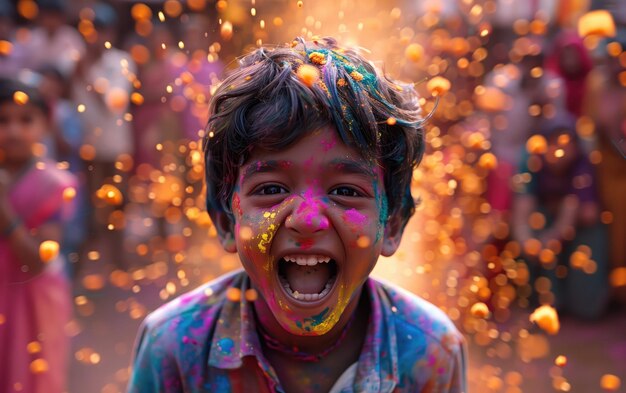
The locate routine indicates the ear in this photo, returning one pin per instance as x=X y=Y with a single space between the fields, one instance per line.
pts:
x=393 y=234
x=225 y=229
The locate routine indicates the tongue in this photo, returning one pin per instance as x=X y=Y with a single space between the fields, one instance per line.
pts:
x=307 y=279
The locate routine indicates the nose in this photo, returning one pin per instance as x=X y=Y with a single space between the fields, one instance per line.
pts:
x=308 y=214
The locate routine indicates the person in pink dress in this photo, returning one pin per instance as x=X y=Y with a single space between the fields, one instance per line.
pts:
x=35 y=297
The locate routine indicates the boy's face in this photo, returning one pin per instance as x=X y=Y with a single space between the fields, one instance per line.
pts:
x=310 y=224
x=21 y=126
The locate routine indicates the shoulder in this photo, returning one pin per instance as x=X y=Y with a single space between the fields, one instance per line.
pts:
x=411 y=313
x=199 y=305
x=429 y=346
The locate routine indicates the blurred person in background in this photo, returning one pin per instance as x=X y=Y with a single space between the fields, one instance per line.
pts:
x=515 y=96
x=608 y=110
x=62 y=145
x=198 y=66
x=35 y=296
x=570 y=60
x=52 y=40
x=13 y=55
x=153 y=120
x=103 y=84
x=558 y=206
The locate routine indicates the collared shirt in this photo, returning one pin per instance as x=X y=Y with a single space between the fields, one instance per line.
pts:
x=204 y=342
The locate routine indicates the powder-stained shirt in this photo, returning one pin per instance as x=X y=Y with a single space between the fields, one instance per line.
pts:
x=204 y=342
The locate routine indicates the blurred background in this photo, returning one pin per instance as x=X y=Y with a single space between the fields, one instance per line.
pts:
x=522 y=191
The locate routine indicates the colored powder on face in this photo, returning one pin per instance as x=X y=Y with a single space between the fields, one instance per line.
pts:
x=266 y=237
x=305 y=244
x=328 y=144
x=237 y=205
x=355 y=218
x=381 y=202
x=312 y=208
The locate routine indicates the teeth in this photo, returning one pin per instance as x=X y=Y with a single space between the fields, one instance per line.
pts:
x=307 y=296
x=307 y=260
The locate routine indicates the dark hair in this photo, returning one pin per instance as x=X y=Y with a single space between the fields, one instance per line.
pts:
x=8 y=88
x=263 y=103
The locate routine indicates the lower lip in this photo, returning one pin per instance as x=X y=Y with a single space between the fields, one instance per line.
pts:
x=309 y=303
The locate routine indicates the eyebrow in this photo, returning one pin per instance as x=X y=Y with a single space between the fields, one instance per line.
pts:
x=353 y=167
x=342 y=165
x=262 y=167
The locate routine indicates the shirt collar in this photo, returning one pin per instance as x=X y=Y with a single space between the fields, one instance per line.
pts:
x=235 y=337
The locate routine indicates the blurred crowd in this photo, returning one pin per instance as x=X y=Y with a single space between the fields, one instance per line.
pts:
x=537 y=109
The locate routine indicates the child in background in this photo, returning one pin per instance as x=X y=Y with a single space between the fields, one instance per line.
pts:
x=308 y=180
x=35 y=297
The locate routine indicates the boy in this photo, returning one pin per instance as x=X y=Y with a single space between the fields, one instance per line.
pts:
x=309 y=158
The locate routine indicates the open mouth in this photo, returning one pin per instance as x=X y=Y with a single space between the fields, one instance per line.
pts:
x=307 y=277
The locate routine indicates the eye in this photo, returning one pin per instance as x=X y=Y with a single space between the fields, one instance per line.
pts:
x=345 y=191
x=270 y=189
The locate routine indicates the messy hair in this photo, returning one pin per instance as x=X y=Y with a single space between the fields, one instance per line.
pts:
x=267 y=103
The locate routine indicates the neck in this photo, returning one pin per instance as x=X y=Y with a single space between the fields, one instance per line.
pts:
x=314 y=345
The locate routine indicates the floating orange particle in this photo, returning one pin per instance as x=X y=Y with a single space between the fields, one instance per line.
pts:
x=245 y=233
x=39 y=366
x=438 y=86
x=93 y=282
x=308 y=74
x=233 y=294
x=391 y=121
x=141 y=11
x=172 y=8
x=251 y=295
x=226 y=31
x=48 y=250
x=598 y=23
x=33 y=347
x=414 y=52
x=480 y=310
x=546 y=318
x=363 y=241
x=546 y=256
x=560 y=361
x=491 y=99
x=69 y=193
x=532 y=246
x=28 y=9
x=221 y=5
x=610 y=382
x=116 y=99
x=618 y=277
x=110 y=194
x=6 y=47
x=488 y=161
x=20 y=98
x=196 y=5
x=537 y=144
x=136 y=98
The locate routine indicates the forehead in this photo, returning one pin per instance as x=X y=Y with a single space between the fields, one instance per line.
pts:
x=319 y=148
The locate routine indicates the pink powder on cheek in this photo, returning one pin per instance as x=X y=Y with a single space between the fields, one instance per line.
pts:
x=355 y=218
